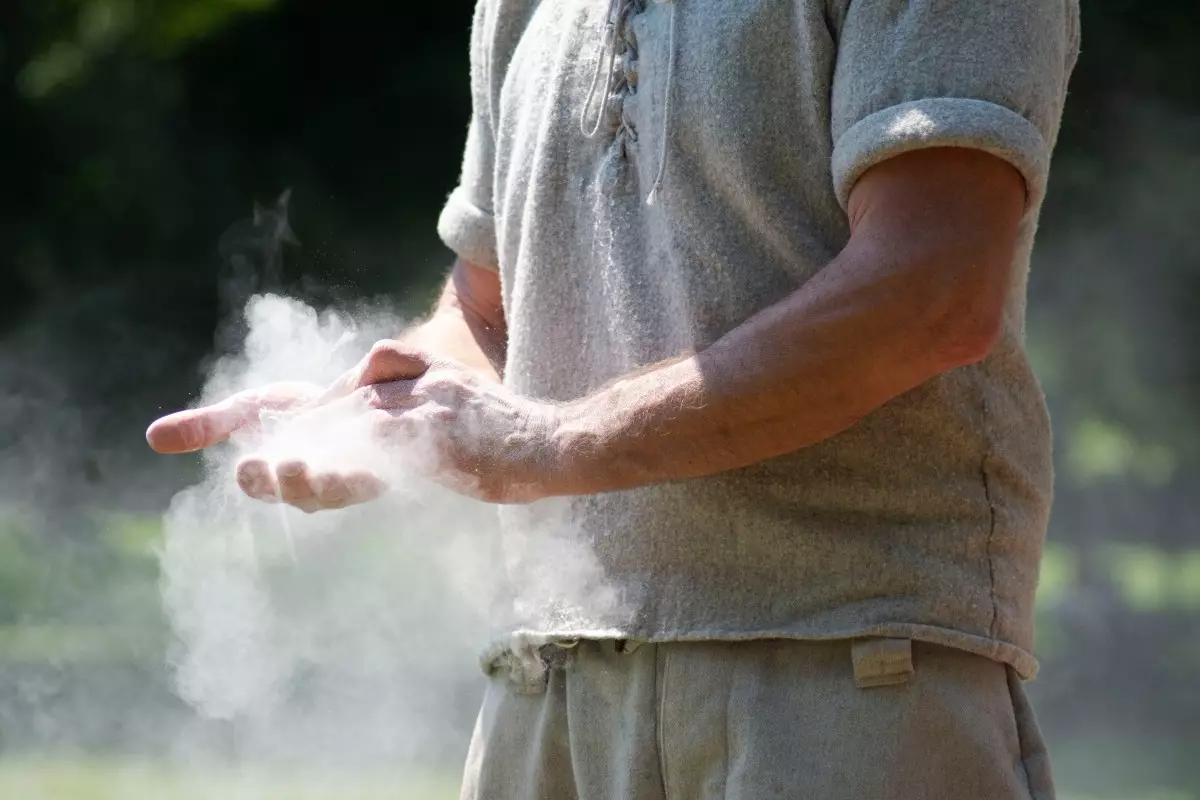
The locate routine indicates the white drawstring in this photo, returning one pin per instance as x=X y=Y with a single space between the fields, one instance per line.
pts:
x=666 y=125
x=605 y=61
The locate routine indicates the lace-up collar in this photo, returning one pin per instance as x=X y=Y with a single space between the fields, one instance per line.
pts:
x=616 y=62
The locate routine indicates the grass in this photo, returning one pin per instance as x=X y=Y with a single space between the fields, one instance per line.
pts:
x=122 y=780
x=92 y=779
x=123 y=623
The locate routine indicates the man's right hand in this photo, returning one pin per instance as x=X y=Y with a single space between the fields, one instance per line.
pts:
x=198 y=428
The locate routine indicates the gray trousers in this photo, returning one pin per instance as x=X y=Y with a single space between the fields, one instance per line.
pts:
x=867 y=719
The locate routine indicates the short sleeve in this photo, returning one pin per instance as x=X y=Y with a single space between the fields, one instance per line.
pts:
x=985 y=74
x=467 y=223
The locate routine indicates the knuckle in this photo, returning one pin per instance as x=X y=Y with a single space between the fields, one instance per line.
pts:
x=291 y=470
x=250 y=468
x=382 y=423
x=443 y=386
x=331 y=490
x=367 y=395
x=247 y=483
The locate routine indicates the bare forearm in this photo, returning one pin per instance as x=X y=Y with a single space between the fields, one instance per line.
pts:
x=463 y=329
x=918 y=290
x=793 y=375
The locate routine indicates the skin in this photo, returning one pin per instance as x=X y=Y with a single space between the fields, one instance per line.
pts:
x=919 y=289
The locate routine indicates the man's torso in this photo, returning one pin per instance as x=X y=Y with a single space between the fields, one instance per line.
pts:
x=923 y=520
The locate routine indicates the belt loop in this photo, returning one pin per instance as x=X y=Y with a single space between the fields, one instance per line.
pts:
x=881 y=662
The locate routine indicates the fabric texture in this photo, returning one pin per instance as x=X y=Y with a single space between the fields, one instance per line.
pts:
x=926 y=519
x=759 y=720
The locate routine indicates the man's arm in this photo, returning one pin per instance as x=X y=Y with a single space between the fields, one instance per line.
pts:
x=467 y=324
x=919 y=289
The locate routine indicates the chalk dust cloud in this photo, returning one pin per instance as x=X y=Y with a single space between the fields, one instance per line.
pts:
x=351 y=634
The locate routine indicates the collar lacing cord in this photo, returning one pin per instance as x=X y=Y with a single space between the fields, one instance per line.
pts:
x=605 y=62
x=666 y=125
x=616 y=23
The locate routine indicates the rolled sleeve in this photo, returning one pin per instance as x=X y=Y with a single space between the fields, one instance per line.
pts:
x=467 y=224
x=942 y=122
x=983 y=74
x=467 y=228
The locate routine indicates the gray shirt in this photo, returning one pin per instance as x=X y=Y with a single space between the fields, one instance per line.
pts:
x=645 y=186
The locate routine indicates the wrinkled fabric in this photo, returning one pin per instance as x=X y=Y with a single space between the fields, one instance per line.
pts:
x=926 y=519
x=754 y=721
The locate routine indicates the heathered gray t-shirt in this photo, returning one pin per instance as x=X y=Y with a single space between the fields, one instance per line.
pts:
x=749 y=122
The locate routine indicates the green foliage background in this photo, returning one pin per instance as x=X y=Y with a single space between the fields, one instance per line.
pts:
x=137 y=135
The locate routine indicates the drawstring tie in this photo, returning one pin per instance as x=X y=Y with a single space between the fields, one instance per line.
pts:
x=666 y=125
x=605 y=63
x=608 y=57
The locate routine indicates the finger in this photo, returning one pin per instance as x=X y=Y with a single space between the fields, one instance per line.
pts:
x=331 y=490
x=197 y=428
x=363 y=486
x=338 y=490
x=387 y=362
x=255 y=478
x=294 y=486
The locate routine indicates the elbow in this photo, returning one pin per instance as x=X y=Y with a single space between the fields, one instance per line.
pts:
x=966 y=333
x=962 y=294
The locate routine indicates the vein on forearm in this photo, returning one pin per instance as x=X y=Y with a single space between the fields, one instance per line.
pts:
x=796 y=373
x=919 y=289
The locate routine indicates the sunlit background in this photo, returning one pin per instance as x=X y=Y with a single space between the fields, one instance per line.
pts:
x=138 y=135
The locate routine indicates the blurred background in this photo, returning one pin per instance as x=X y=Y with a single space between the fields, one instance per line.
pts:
x=148 y=150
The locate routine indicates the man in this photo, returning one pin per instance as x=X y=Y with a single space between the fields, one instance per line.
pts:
x=745 y=280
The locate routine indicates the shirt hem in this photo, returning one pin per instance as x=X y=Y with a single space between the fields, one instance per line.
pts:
x=1020 y=659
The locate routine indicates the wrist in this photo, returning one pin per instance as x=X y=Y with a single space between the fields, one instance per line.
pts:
x=574 y=449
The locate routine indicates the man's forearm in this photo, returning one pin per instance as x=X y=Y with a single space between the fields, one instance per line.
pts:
x=795 y=374
x=918 y=290
x=463 y=328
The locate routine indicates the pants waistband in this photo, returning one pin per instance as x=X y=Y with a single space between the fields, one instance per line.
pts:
x=529 y=661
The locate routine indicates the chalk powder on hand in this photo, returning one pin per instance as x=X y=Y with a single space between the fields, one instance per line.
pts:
x=345 y=635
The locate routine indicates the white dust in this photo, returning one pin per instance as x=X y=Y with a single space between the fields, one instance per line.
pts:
x=350 y=634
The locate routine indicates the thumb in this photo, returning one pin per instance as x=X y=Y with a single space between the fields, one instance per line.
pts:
x=387 y=361
x=391 y=361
